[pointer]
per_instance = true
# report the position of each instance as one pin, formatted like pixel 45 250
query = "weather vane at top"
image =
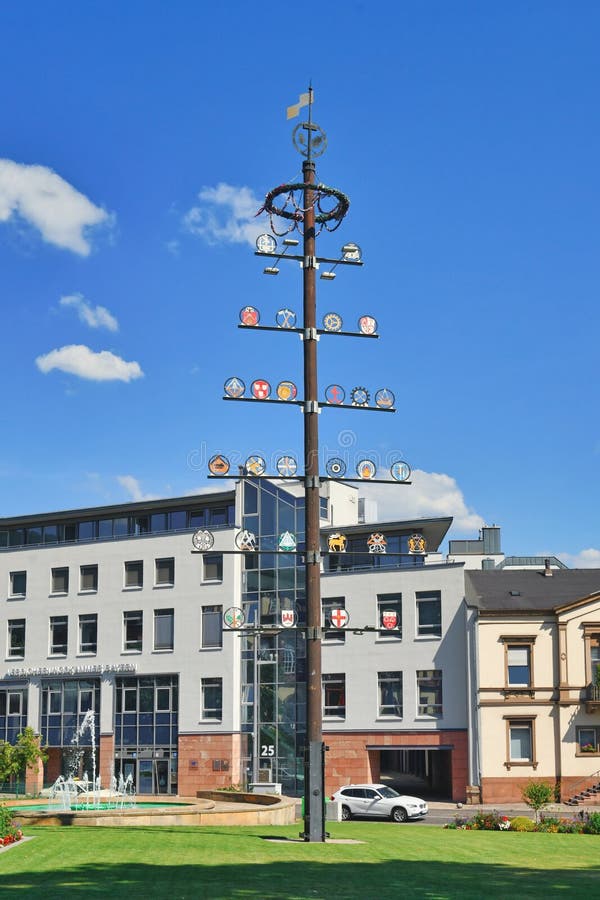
pixel 309 139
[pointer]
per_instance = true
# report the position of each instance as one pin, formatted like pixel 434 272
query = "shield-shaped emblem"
pixel 417 544
pixel 338 618
pixel 389 618
pixel 249 315
pixel 260 389
pixel 367 325
pixel 288 618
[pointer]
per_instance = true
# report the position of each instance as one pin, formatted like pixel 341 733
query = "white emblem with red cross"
pixel 338 618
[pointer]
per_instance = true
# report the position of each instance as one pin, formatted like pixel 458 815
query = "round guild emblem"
pixel 366 469
pixel 384 398
pixel 203 540
pixel 260 389
pixel 245 540
pixel 234 617
pixel 287 466
pixel 335 467
pixel 285 318
pixel 335 393
pixel 417 544
pixel 336 543
pixel 255 465
pixel 287 390
pixel 377 543
pixel 351 252
pixel 367 325
pixel 360 396
pixel 400 470
pixel 266 243
pixel 234 387
pixel 218 465
pixel 318 140
pixel 332 322
pixel 249 315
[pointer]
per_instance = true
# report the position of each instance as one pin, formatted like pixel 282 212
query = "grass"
pixel 419 861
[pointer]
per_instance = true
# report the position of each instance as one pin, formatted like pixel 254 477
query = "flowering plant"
pixel 588 748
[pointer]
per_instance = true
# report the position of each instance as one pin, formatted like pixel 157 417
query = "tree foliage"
pixel 537 795
pixel 16 758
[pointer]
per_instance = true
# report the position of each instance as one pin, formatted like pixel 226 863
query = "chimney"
pixel 547 569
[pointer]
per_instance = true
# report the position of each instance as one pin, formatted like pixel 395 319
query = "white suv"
pixel 378 800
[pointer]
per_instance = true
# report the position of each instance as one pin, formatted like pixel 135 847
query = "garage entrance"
pixel 423 773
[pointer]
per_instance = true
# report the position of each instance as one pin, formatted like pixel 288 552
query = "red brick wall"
pixel 106 754
pixel 348 759
pixel 508 789
pixel 196 753
pixel 53 765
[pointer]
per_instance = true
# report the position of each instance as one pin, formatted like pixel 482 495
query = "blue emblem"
pixel 235 387
pixel 335 467
pixel 287 466
pixel 384 398
pixel 400 470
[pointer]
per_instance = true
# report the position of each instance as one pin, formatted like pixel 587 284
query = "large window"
pixel 60 581
pixel 212 567
pixel 389 616
pixel 429 614
pixel 18 584
pixel 59 630
pixel 132 630
pixel 88 578
pixel 212 634
pixel 329 605
pixel 88 633
pixel 518 665
pixel 390 694
pixel 165 572
pixel 65 703
pixel 334 696
pixel 429 693
pixel 163 629
pixel 212 698
pixel 134 574
pixel 16 638
pixel 13 713
pixel 520 741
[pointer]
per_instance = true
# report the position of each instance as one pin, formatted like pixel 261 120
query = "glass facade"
pixel 64 706
pixel 357 555
pixel 13 713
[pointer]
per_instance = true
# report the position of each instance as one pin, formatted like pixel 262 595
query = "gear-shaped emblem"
pixel 360 396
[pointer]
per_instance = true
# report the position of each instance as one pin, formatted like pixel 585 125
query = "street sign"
pixel 338 618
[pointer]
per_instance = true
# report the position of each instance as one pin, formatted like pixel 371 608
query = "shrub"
pixel 8 831
pixel 522 823
pixel 591 823
pixel 548 824
pixel 489 821
pixel 570 826
pixel 537 794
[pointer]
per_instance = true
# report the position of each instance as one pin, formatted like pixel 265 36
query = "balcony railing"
pixel 592 697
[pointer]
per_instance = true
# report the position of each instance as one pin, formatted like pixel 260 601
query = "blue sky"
pixel 138 141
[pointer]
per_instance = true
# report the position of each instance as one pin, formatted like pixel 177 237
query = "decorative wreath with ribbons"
pixel 294 212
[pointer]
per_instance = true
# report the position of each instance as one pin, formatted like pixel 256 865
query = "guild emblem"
pixel 360 396
pixel 249 315
pixel 285 318
pixel 288 618
pixel 389 619
pixel 260 389
pixel 332 322
pixel 287 466
pixel 417 544
pixel 266 243
pixel 203 540
pixel 287 390
pixel 234 387
pixel 234 617
pixel 335 467
pixel 384 398
pixel 335 394
pixel 336 543
pixel 255 465
pixel 338 618
pixel 245 540
pixel 351 252
pixel 377 543
pixel 218 465
pixel 367 325
pixel 400 470
pixel 366 469
pixel 287 542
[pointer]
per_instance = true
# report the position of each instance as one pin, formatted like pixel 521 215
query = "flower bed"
pixel 584 823
pixel 9 833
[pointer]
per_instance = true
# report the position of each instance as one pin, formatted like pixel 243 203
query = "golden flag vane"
pixel 303 100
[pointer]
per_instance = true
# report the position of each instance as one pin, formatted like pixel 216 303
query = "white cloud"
pixel 585 559
pixel 77 359
pixel 226 214
pixel 61 213
pixel 133 488
pixel 430 494
pixel 94 316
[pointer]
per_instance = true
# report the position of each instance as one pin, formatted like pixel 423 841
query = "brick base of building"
pixel 105 758
pixel 207 762
pixel 510 789
pixel 351 761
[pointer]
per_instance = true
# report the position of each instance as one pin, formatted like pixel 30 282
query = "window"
pixel 518 673
pixel 324 508
pixel 429 614
pixel 134 574
pixel 212 567
pixel 212 635
pixel 594 658
pixel 389 616
pixel 60 581
pixel 132 631
pixel 88 633
pixel 334 696
pixel 18 584
pixel 588 739
pixel 390 694
pixel 59 627
pixel 328 605
pixel 520 741
pixel 212 698
pixel 165 572
pixel 163 629
pixel 429 693
pixel 88 578
pixel 16 637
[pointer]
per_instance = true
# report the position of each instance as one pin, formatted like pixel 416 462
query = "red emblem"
pixel 389 619
pixel 249 315
pixel 260 389
pixel 288 618
pixel 338 618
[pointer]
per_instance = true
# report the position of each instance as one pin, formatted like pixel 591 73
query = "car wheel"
pixel 346 814
pixel 399 814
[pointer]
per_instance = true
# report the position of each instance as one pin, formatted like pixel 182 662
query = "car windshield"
pixel 388 792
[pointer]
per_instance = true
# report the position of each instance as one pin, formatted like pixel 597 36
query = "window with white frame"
pixel 518 665
pixel 164 572
pixel 334 696
pixel 595 659
pixel 212 633
pixel 164 623
pixel 329 605
pixel 429 693
pixel 212 567
pixel 18 584
pixel 212 698
pixel 59 631
pixel 16 638
pixel 520 740
pixel 60 581
pixel 588 739
pixel 88 633
pixel 390 694
pixel 132 630
pixel 389 616
pixel 429 614
pixel 134 574
pixel 88 579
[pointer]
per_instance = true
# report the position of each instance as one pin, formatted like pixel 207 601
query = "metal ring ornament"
pixel 318 140
pixel 297 215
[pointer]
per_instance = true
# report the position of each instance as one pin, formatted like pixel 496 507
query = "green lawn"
pixel 394 861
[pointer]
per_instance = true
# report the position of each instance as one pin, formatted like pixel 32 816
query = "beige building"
pixel 534 662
